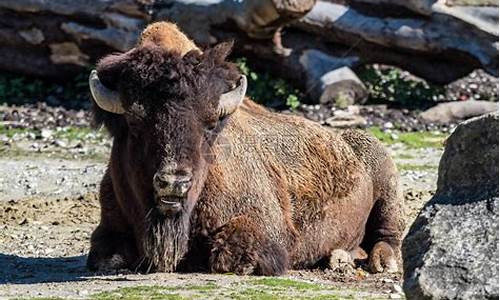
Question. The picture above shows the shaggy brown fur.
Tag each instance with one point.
(166, 35)
(270, 191)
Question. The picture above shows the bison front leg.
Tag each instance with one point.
(112, 245)
(241, 247)
(111, 251)
(385, 225)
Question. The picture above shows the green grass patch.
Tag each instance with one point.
(39, 298)
(423, 139)
(18, 90)
(205, 287)
(16, 153)
(416, 167)
(267, 89)
(79, 133)
(275, 282)
(259, 289)
(157, 292)
(67, 133)
(391, 84)
(10, 132)
(139, 293)
(71, 137)
(404, 156)
(257, 294)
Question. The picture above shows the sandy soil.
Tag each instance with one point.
(48, 208)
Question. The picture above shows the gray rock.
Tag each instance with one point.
(469, 165)
(451, 250)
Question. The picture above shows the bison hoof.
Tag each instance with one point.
(341, 259)
(109, 264)
(223, 265)
(226, 259)
(383, 259)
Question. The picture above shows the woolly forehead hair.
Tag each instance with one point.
(167, 36)
(167, 65)
(151, 71)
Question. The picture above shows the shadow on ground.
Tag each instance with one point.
(27, 270)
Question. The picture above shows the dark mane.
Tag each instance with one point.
(152, 75)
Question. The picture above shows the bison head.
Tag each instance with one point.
(165, 108)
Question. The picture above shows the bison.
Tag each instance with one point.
(203, 179)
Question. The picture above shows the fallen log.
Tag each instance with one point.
(59, 38)
(444, 37)
(330, 81)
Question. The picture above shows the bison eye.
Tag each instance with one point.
(210, 126)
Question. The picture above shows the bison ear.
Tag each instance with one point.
(221, 51)
(110, 69)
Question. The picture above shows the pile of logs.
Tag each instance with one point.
(314, 44)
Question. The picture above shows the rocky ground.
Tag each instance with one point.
(51, 163)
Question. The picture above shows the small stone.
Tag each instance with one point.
(388, 125)
(60, 143)
(354, 109)
(342, 114)
(394, 296)
(340, 259)
(46, 133)
(83, 150)
(396, 288)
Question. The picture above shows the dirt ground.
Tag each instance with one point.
(49, 207)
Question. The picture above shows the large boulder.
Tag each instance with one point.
(451, 250)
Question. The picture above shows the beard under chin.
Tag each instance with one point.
(165, 241)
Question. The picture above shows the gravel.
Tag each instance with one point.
(42, 116)
(478, 85)
(48, 178)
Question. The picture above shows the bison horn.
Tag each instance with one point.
(230, 101)
(105, 98)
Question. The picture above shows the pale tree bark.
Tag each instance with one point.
(441, 43)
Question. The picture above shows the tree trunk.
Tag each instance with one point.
(58, 38)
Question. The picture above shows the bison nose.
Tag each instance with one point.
(176, 184)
